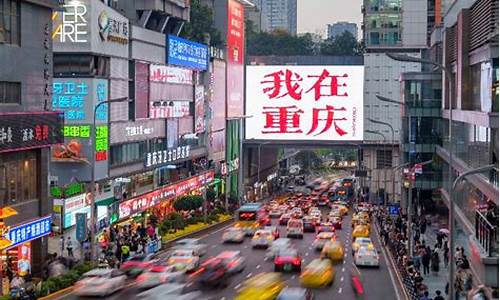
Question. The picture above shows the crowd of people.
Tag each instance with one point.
(425, 260)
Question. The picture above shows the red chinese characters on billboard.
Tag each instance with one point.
(305, 102)
(235, 57)
(138, 204)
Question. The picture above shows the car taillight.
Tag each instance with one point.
(296, 261)
(278, 261)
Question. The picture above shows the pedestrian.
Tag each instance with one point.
(423, 226)
(446, 254)
(425, 296)
(426, 260)
(61, 244)
(438, 295)
(435, 261)
(69, 247)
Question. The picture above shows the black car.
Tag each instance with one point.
(309, 225)
(213, 273)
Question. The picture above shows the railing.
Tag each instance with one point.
(486, 234)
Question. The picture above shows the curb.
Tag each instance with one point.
(57, 294)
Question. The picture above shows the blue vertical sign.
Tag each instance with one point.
(81, 226)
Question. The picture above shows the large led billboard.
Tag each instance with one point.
(304, 103)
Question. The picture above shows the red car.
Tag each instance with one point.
(137, 264)
(287, 260)
(325, 227)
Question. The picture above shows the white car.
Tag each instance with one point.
(262, 238)
(361, 242)
(295, 228)
(100, 282)
(194, 244)
(184, 259)
(278, 244)
(321, 240)
(233, 235)
(159, 274)
(366, 257)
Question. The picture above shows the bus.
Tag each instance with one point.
(348, 183)
(341, 194)
(250, 216)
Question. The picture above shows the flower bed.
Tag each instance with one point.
(57, 283)
(194, 227)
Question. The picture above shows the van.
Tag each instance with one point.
(295, 228)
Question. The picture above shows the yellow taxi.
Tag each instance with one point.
(333, 250)
(364, 215)
(361, 231)
(356, 219)
(361, 242)
(318, 273)
(341, 208)
(263, 286)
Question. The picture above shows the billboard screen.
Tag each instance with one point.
(185, 53)
(321, 103)
(235, 59)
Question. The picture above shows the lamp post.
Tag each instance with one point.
(451, 214)
(392, 151)
(383, 148)
(93, 220)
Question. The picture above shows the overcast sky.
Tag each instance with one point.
(313, 15)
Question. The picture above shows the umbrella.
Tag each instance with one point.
(6, 212)
(444, 231)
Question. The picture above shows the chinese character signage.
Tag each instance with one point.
(139, 130)
(184, 53)
(199, 108)
(168, 109)
(111, 29)
(139, 204)
(76, 131)
(169, 74)
(168, 156)
(101, 143)
(235, 57)
(305, 103)
(229, 167)
(29, 231)
(77, 99)
(30, 130)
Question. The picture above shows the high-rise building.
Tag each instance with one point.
(338, 28)
(400, 28)
(278, 14)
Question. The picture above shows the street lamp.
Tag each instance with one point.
(451, 216)
(378, 180)
(240, 156)
(392, 151)
(93, 220)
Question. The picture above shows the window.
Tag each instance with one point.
(127, 153)
(18, 178)
(10, 22)
(10, 92)
(384, 159)
(80, 65)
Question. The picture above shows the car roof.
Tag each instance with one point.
(326, 234)
(228, 254)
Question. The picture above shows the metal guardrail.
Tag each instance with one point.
(486, 233)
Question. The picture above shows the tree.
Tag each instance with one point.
(188, 203)
(279, 42)
(344, 44)
(201, 23)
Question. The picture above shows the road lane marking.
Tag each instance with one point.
(237, 286)
(223, 298)
(293, 277)
(213, 246)
(341, 278)
(249, 275)
(340, 290)
(343, 269)
(307, 253)
(257, 267)
(244, 247)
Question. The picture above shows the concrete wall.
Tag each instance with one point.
(377, 179)
(414, 29)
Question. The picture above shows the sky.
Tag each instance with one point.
(314, 15)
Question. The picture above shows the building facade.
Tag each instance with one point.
(336, 29)
(468, 44)
(277, 14)
(28, 128)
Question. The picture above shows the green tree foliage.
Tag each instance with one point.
(278, 42)
(200, 24)
(344, 44)
(188, 203)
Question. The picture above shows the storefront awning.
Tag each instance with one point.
(105, 202)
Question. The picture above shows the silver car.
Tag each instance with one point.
(193, 244)
(100, 282)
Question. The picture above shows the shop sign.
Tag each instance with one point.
(76, 131)
(185, 53)
(68, 191)
(169, 74)
(235, 57)
(101, 143)
(138, 130)
(418, 169)
(217, 53)
(167, 156)
(73, 27)
(168, 109)
(75, 203)
(230, 166)
(81, 226)
(29, 231)
(112, 29)
(199, 108)
(136, 205)
(30, 130)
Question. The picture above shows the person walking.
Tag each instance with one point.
(438, 295)
(426, 260)
(446, 254)
(435, 261)
(423, 226)
(69, 247)
(425, 296)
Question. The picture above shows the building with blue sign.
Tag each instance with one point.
(188, 54)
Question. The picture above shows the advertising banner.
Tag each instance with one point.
(167, 156)
(29, 231)
(75, 205)
(305, 103)
(136, 205)
(218, 111)
(168, 109)
(199, 109)
(185, 53)
(141, 90)
(88, 25)
(169, 74)
(139, 130)
(235, 58)
(21, 131)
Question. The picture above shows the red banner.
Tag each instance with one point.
(169, 192)
(235, 57)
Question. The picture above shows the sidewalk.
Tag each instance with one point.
(54, 244)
